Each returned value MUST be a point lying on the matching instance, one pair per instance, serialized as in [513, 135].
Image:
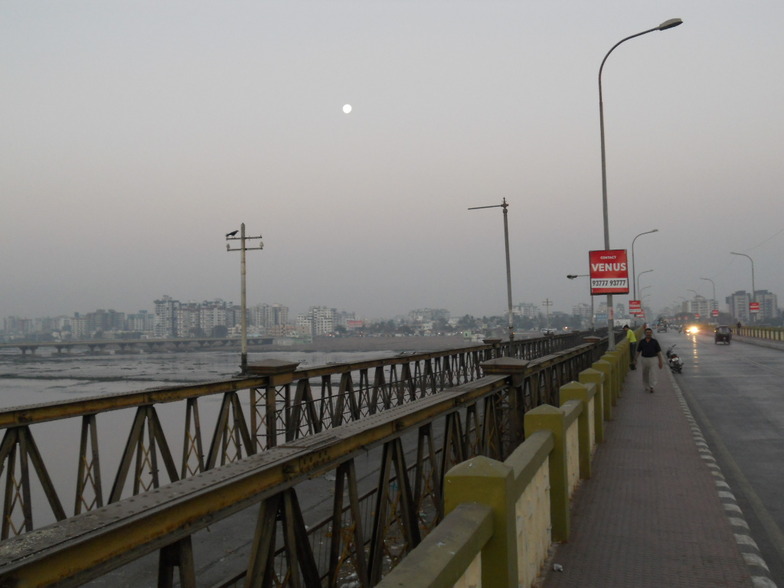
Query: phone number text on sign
[623, 283]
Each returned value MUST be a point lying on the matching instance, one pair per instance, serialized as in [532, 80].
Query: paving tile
[651, 515]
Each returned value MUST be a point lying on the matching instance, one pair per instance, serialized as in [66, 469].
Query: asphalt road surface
[736, 394]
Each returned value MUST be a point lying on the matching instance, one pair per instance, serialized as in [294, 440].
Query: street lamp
[573, 276]
[244, 319]
[753, 290]
[667, 24]
[634, 294]
[714, 303]
[504, 205]
[637, 281]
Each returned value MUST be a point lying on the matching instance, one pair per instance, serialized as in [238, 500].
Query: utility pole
[504, 205]
[242, 249]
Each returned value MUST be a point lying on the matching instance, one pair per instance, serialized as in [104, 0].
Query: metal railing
[286, 545]
[96, 451]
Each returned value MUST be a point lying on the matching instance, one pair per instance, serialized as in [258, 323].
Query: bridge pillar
[515, 369]
[549, 418]
[585, 420]
[487, 481]
[595, 378]
[614, 359]
[606, 370]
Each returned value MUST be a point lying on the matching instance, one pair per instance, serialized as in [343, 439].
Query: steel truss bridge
[325, 476]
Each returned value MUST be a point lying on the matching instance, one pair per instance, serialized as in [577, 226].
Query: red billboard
[754, 307]
[609, 272]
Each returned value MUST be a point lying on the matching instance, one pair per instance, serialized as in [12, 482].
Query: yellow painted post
[490, 482]
[606, 370]
[581, 392]
[549, 418]
[595, 378]
[612, 359]
[621, 365]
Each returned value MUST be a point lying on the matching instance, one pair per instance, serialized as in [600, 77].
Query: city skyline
[736, 308]
[137, 135]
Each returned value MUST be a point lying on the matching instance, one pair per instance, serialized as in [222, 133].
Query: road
[736, 394]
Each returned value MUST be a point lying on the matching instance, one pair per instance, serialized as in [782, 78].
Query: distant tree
[219, 331]
[441, 325]
[466, 323]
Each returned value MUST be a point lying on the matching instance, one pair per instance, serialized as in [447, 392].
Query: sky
[135, 135]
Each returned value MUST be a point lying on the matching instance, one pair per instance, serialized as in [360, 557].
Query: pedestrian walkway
[656, 511]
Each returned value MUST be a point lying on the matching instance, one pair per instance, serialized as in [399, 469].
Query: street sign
[609, 272]
[715, 312]
[754, 307]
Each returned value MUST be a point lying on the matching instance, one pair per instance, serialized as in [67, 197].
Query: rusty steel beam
[91, 544]
[51, 411]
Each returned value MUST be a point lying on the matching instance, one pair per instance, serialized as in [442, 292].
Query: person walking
[650, 350]
[631, 339]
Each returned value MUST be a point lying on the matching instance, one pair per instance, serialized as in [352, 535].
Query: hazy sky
[135, 135]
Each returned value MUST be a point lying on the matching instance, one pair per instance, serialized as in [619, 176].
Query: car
[722, 334]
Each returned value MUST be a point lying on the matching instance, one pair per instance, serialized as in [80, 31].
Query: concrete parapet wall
[450, 557]
[529, 494]
[532, 511]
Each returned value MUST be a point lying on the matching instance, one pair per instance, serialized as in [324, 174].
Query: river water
[50, 377]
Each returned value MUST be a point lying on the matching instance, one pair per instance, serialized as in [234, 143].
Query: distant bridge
[132, 345]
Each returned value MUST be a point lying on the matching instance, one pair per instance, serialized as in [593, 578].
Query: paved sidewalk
[652, 515]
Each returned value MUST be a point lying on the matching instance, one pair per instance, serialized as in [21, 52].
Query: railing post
[515, 368]
[615, 361]
[490, 482]
[594, 377]
[605, 368]
[279, 373]
[549, 418]
[585, 421]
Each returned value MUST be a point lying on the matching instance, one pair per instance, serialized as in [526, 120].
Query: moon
[347, 109]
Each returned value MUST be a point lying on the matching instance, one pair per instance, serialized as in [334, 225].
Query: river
[49, 377]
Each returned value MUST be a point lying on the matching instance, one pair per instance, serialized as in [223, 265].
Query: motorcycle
[675, 362]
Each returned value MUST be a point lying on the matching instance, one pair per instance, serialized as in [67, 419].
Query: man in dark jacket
[650, 351]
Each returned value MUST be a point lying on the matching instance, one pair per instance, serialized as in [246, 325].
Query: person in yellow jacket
[631, 339]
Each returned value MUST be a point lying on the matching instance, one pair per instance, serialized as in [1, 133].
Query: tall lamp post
[637, 281]
[242, 249]
[714, 303]
[504, 205]
[695, 303]
[667, 24]
[573, 276]
[753, 290]
[634, 293]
